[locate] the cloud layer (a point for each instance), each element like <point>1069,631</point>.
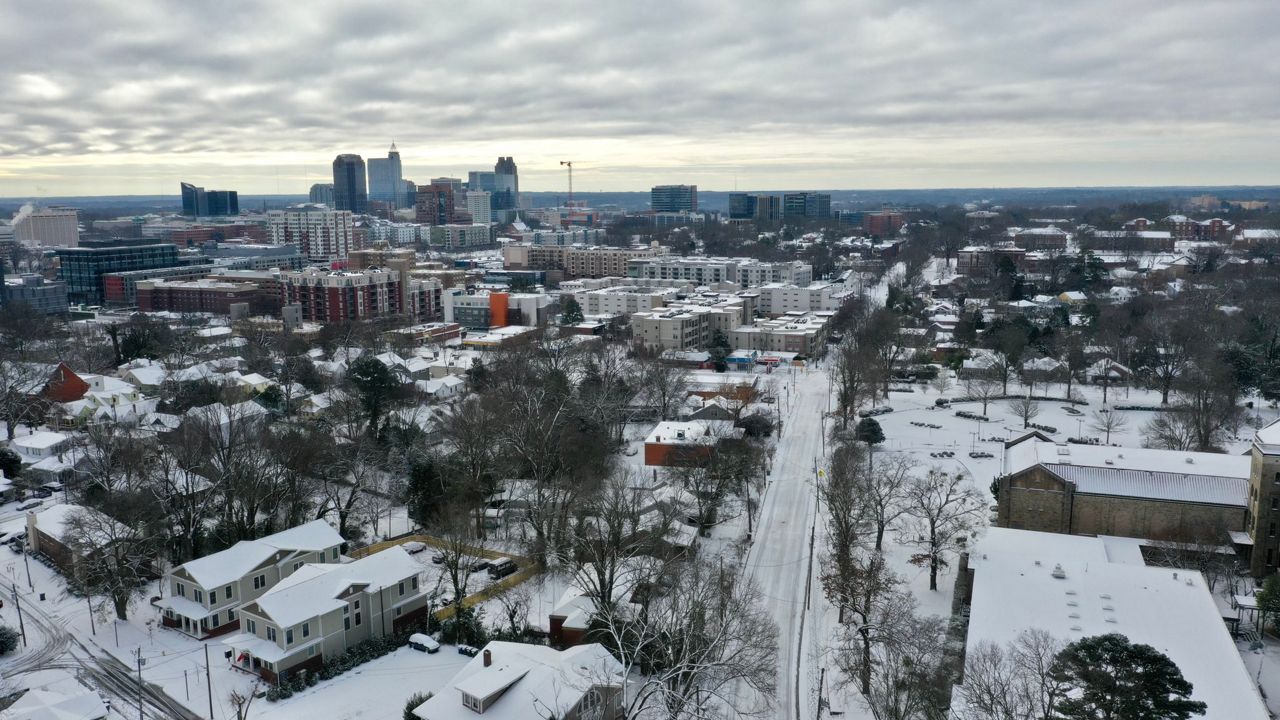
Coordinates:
<point>132,96</point>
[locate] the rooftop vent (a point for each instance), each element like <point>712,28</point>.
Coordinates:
<point>1191,460</point>
<point>1058,572</point>
<point>1109,461</point>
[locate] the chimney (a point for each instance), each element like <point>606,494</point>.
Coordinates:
<point>488,658</point>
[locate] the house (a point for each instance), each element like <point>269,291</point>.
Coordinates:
<point>44,704</point>
<point>515,681</point>
<point>46,528</point>
<point>1107,371</point>
<point>206,593</point>
<point>40,445</point>
<point>673,444</point>
<point>1075,587</point>
<point>321,610</point>
<point>1044,370</point>
<point>8,493</point>
<point>1130,492</point>
<point>1073,297</point>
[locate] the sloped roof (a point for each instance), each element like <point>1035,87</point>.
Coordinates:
<point>314,588</point>
<point>1180,487</point>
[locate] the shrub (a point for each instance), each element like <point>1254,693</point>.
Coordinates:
<point>8,639</point>
<point>414,701</point>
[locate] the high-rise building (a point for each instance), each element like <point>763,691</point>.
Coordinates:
<point>808,205</point>
<point>48,227</point>
<point>82,267</point>
<point>198,202</point>
<point>481,180</point>
<point>408,194</point>
<point>455,184</point>
<point>768,208</point>
<point>386,179</point>
<point>321,234</point>
<point>506,185</point>
<point>322,194</point>
<point>479,204</point>
<point>341,296</point>
<point>674,198</point>
<point>350,189</point>
<point>742,206</point>
<point>434,205</point>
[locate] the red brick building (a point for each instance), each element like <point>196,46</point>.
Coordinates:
<point>194,296</point>
<point>342,295</point>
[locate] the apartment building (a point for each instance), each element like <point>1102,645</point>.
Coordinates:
<point>321,610</point>
<point>746,272</point>
<point>340,295</point>
<point>803,333</point>
<point>690,324</point>
<point>205,595</point>
<point>321,234</point>
<point>623,299</point>
<point>1045,238</point>
<point>576,261</point>
<point>482,309</point>
<point>568,236</point>
<point>194,296</point>
<point>780,298</point>
<point>461,237</point>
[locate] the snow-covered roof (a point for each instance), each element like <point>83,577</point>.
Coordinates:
<point>1139,472</point>
<point>533,676</point>
<point>42,704</point>
<point>1269,435</point>
<point>39,440</point>
<point>694,432</point>
<point>1015,589</point>
<point>313,589</point>
<point>226,566</point>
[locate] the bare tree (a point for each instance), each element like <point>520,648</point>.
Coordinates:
<point>886,492</point>
<point>459,552</point>
<point>1171,430</point>
<point>515,602</point>
<point>1011,682</point>
<point>910,681</point>
<point>691,646</point>
<point>854,378</point>
<point>1109,422</point>
<point>20,386</point>
<point>1205,546</point>
<point>663,387</point>
<point>942,383</point>
<point>871,599</point>
<point>111,558</point>
<point>947,511</point>
<point>983,389</point>
<point>1025,409</point>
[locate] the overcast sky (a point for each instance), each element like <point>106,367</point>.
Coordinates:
<point>132,96</point>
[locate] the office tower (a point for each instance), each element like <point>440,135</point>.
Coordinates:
<point>322,193</point>
<point>481,180</point>
<point>408,191</point>
<point>386,180</point>
<point>768,208</point>
<point>83,267</point>
<point>455,184</point>
<point>741,206</point>
<point>479,204</point>
<point>674,198</point>
<point>47,227</point>
<point>198,202</point>
<point>808,205</point>
<point>350,190</point>
<point>322,235</point>
<point>434,205</point>
<point>506,184</point>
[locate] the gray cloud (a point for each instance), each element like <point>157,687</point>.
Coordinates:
<point>847,92</point>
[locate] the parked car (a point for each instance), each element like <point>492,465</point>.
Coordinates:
<point>438,558</point>
<point>423,643</point>
<point>41,492</point>
<point>13,535</point>
<point>478,564</point>
<point>413,547</point>
<point>502,567</point>
<point>30,505</point>
<point>942,402</point>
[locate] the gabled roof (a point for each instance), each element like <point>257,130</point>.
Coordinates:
<point>315,589</point>
<point>235,562</point>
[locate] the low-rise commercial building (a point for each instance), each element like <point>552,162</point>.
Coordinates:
<point>194,296</point>
<point>43,296</point>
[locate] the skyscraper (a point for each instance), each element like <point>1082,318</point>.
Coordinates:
<point>198,202</point>
<point>480,180</point>
<point>434,205</point>
<point>742,206</point>
<point>506,184</point>
<point>810,205</point>
<point>674,198</point>
<point>350,189</point>
<point>322,193</point>
<point>479,204</point>
<point>386,179</point>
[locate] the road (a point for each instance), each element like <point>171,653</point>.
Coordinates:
<point>779,559</point>
<point>58,648</point>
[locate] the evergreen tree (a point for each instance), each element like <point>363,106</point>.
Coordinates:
<point>1106,676</point>
<point>869,431</point>
<point>1269,601</point>
<point>572,313</point>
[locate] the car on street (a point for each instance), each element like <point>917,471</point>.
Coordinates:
<point>413,547</point>
<point>423,643</point>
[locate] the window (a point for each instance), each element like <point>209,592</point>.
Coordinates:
<point>215,619</point>
<point>1270,557</point>
<point>357,619</point>
<point>228,593</point>
<point>231,614</point>
<point>401,588</point>
<point>288,636</point>
<point>271,633</point>
<point>251,626</point>
<point>311,651</point>
<point>415,582</point>
<point>334,553</point>
<point>182,590</point>
<point>297,565</point>
<point>197,595</point>
<point>306,629</point>
<point>346,623</point>
<point>259,581</point>
<point>357,603</point>
<point>398,612</point>
<point>1271,530</point>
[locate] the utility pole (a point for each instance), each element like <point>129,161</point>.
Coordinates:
<point>821,679</point>
<point>88,601</point>
<point>18,605</point>
<point>208,678</point>
<point>139,652</point>
<point>27,562</point>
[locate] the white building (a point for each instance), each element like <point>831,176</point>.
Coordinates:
<point>623,299</point>
<point>459,237</point>
<point>1075,587</point>
<point>782,298</point>
<point>48,227</point>
<point>479,207</point>
<point>321,234</point>
<point>746,272</point>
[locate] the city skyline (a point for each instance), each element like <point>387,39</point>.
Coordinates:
<point>805,96</point>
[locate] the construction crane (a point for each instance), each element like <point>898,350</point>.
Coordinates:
<point>569,164</point>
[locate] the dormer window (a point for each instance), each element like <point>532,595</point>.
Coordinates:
<point>472,702</point>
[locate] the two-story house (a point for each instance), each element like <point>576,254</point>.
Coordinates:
<point>205,594</point>
<point>321,610</point>
<point>515,680</point>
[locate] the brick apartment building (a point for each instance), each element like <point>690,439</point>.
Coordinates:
<point>340,296</point>
<point>194,296</point>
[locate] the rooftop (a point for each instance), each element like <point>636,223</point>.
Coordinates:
<point>314,588</point>
<point>1018,586</point>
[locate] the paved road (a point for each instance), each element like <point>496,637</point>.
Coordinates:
<point>779,558</point>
